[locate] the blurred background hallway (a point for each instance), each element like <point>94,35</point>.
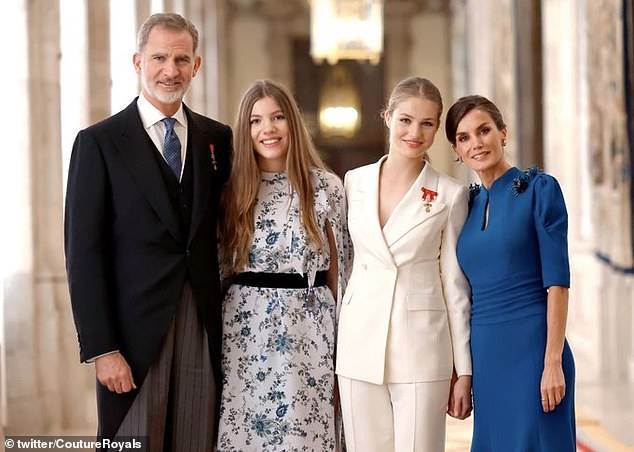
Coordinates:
<point>562,72</point>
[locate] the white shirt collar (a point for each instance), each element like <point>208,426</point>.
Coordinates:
<point>150,115</point>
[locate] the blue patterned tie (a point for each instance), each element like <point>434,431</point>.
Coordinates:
<point>172,147</point>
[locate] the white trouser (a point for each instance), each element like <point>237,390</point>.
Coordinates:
<point>394,417</point>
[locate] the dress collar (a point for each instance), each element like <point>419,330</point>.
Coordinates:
<point>502,181</point>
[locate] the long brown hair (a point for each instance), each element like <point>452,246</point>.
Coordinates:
<point>240,195</point>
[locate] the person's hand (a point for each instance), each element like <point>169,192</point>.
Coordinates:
<point>553,386</point>
<point>114,372</point>
<point>459,405</point>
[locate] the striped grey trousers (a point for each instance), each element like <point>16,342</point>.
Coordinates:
<point>175,406</point>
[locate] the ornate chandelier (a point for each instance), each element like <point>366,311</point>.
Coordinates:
<point>346,29</point>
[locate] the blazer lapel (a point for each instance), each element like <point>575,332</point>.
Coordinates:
<point>412,210</point>
<point>135,149</point>
<point>198,144</point>
<point>372,212</point>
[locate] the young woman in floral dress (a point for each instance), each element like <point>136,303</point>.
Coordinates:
<point>284,241</point>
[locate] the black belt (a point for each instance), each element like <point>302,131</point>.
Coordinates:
<point>279,280</point>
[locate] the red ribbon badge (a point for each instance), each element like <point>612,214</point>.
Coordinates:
<point>428,195</point>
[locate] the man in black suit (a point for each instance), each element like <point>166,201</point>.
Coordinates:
<point>140,238</point>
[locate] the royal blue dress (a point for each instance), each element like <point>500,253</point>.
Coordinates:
<point>510,261</point>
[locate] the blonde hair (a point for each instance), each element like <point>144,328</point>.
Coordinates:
<point>240,195</point>
<point>413,87</point>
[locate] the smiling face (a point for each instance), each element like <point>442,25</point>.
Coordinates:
<point>479,143</point>
<point>270,134</point>
<point>166,65</point>
<point>413,125</point>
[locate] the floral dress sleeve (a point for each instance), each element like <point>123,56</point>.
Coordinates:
<point>332,201</point>
<point>339,224</point>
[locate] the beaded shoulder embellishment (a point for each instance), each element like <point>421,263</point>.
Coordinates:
<point>474,189</point>
<point>520,183</point>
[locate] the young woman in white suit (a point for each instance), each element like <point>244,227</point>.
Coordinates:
<point>403,357</point>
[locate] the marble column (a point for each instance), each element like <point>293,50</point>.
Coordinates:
<point>609,149</point>
<point>175,6</point>
<point>398,41</point>
<point>35,296</point>
<point>98,59</point>
<point>279,44</point>
<point>459,48</point>
<point>484,57</point>
<point>247,52</point>
<point>528,38</point>
<point>215,30</point>
<point>18,384</point>
<point>142,12</point>
<point>208,91</point>
<point>564,154</point>
<point>583,80</point>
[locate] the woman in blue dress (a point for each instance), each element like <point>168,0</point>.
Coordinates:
<point>513,250</point>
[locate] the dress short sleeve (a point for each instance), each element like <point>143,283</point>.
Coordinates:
<point>337,215</point>
<point>551,223</point>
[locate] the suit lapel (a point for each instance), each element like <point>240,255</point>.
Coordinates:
<point>372,212</point>
<point>198,143</point>
<point>412,210</point>
<point>135,149</point>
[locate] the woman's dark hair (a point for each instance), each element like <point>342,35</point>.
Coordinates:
<point>463,106</point>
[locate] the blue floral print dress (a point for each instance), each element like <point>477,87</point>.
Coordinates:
<point>278,344</point>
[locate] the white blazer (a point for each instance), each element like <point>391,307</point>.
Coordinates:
<point>405,312</point>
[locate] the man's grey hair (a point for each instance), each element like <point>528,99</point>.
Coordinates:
<point>171,21</point>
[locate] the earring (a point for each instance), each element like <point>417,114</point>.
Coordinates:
<point>504,143</point>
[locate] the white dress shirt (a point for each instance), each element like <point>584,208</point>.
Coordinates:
<point>151,119</point>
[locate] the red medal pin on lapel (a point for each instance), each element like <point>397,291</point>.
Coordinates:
<point>428,196</point>
<point>212,153</point>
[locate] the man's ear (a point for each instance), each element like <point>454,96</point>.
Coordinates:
<point>197,62</point>
<point>136,61</point>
